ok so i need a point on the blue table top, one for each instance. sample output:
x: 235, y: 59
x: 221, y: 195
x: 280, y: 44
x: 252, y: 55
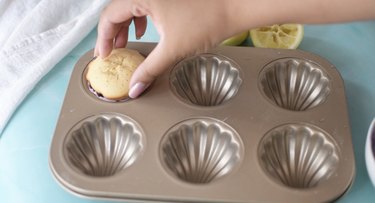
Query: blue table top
x: 24, y: 145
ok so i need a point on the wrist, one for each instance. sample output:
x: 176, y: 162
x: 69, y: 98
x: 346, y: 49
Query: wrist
x: 247, y: 14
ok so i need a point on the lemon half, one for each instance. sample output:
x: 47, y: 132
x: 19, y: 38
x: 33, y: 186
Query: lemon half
x: 285, y: 36
x: 236, y: 39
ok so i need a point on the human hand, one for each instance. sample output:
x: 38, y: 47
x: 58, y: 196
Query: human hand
x: 185, y: 28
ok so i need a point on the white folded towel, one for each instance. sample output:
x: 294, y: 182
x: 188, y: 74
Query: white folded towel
x: 35, y: 35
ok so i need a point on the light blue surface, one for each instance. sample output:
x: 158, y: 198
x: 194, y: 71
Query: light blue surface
x: 24, y: 145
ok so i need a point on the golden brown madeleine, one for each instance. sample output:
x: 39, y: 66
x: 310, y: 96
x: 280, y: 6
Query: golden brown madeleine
x: 110, y: 76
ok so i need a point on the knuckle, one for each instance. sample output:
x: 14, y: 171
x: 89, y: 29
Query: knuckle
x: 138, y: 8
x: 148, y: 72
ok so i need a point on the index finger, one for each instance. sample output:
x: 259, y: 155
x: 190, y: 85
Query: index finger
x: 114, y: 17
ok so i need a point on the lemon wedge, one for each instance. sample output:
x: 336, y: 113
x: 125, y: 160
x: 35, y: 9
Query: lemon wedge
x: 285, y: 36
x: 236, y: 39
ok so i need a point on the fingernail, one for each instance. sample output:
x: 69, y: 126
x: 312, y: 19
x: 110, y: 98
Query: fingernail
x: 138, y: 38
x: 95, y: 53
x: 103, y: 52
x: 137, y: 89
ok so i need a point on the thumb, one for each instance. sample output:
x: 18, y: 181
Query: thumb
x: 154, y: 65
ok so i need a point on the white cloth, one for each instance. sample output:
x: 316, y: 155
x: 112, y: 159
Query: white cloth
x: 34, y: 36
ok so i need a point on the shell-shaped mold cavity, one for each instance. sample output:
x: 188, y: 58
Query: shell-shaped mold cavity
x: 201, y: 150
x: 295, y: 84
x: 206, y: 80
x: 104, y: 145
x: 299, y: 156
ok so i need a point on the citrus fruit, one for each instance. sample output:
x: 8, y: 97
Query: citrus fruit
x: 286, y: 36
x: 236, y: 39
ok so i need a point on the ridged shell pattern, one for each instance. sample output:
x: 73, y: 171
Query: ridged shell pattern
x: 206, y: 80
x: 295, y: 84
x: 299, y: 156
x: 201, y: 151
x: 104, y: 145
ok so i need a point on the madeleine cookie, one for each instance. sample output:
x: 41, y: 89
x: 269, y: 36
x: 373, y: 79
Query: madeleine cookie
x: 111, y: 76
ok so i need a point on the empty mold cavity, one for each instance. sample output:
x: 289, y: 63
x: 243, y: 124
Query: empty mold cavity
x: 299, y: 156
x: 206, y: 80
x: 103, y: 145
x: 294, y: 84
x: 201, y: 150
